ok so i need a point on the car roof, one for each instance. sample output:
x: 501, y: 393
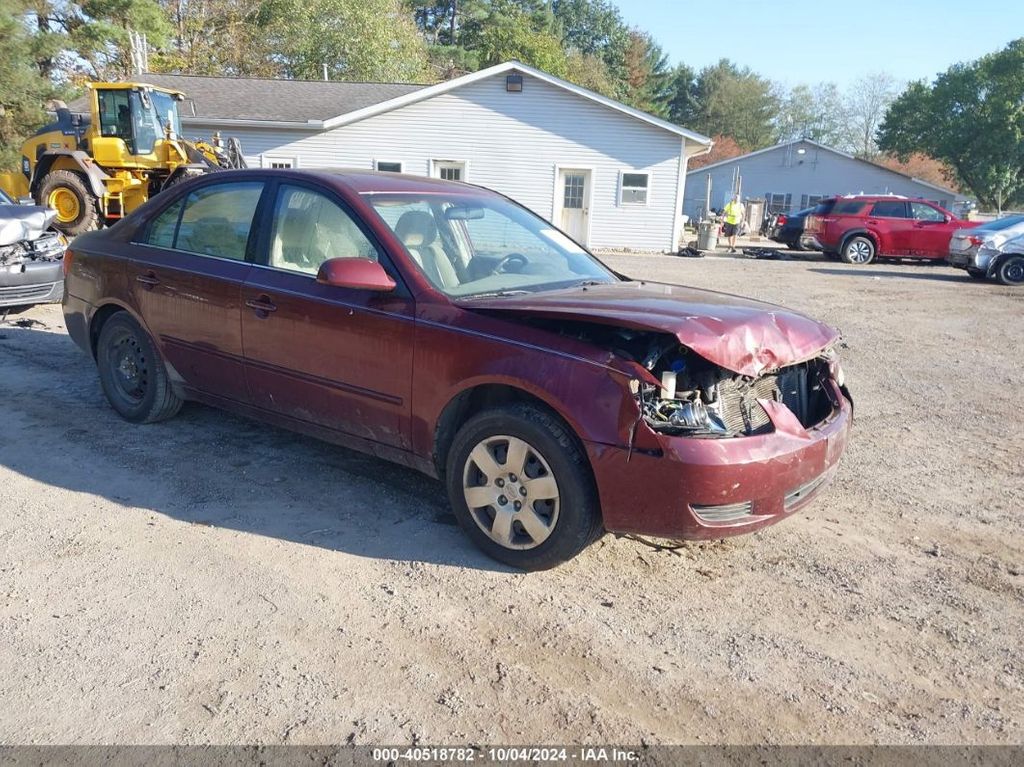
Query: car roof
x: 379, y: 182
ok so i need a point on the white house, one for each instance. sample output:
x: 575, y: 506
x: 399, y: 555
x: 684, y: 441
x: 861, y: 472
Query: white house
x: 610, y: 175
x: 795, y: 175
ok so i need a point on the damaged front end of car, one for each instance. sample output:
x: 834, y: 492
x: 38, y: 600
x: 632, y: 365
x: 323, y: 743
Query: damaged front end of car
x: 696, y: 398
x: 31, y: 255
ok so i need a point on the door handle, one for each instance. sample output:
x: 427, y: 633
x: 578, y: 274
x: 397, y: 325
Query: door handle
x: 149, y: 280
x: 262, y: 306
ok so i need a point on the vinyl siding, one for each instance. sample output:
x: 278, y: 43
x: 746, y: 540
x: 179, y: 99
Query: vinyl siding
x: 816, y: 172
x: 512, y: 143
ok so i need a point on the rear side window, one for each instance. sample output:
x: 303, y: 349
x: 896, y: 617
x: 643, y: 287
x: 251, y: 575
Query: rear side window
x: 823, y: 208
x: 165, y: 226
x: 211, y: 221
x: 847, y: 207
x: 889, y: 209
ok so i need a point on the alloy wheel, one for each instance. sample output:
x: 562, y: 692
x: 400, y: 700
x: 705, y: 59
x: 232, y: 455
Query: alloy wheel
x: 859, y: 252
x: 511, y: 492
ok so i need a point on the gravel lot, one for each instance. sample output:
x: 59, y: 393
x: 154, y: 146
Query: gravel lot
x: 210, y: 579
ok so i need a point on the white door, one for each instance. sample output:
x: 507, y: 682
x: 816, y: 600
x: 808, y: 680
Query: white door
x: 574, y: 187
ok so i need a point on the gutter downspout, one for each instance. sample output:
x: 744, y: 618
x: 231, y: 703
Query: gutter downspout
x: 677, y: 218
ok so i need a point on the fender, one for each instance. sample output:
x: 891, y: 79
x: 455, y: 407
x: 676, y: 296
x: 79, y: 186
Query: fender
x: 861, y: 232
x: 94, y: 174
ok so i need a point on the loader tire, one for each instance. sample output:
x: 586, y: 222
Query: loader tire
x: 68, y: 193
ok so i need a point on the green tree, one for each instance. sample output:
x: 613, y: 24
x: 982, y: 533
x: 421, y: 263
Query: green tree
x: 89, y: 40
x: 218, y: 37
x: 813, y: 112
x: 647, y: 78
x: 736, y: 102
x: 514, y: 35
x: 353, y: 39
x: 683, y: 106
x: 23, y: 88
x: 971, y: 118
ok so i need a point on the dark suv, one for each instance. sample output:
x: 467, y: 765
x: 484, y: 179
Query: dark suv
x: 860, y: 228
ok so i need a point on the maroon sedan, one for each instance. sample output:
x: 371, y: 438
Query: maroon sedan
x: 444, y: 327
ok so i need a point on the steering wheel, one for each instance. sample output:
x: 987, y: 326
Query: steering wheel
x: 511, y: 258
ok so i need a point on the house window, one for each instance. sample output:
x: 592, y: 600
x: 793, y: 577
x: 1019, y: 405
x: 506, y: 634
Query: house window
x: 633, y: 188
x: 449, y: 170
x: 268, y: 161
x: 387, y: 167
x: 778, y: 202
x: 810, y: 200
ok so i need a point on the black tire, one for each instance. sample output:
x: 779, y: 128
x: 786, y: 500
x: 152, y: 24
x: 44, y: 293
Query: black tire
x: 132, y: 373
x: 1011, y: 271
x: 978, y: 274
x: 74, y: 183
x: 858, y: 250
x: 576, y: 520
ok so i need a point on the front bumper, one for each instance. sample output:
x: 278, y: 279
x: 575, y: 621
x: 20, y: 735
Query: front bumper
x: 713, y: 488
x: 32, y: 282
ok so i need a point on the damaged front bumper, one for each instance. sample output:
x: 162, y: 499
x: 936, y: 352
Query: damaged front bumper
x: 690, y: 488
x: 31, y: 272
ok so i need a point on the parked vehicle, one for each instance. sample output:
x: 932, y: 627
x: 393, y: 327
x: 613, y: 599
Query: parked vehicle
x: 95, y: 168
x: 444, y: 327
x: 1000, y: 260
x: 860, y: 228
x: 788, y: 229
x: 966, y: 243
x: 30, y: 256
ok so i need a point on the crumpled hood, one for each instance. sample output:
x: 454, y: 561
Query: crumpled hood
x: 738, y: 334
x: 24, y: 222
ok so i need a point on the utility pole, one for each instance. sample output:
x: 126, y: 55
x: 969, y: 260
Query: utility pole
x: 451, y: 29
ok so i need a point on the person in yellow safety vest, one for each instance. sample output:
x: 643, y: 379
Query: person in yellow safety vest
x: 733, y: 217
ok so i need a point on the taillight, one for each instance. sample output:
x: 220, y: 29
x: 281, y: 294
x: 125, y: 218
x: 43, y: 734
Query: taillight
x: 68, y: 257
x: 781, y: 220
x: 975, y: 241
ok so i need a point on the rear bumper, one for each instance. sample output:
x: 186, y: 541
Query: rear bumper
x: 967, y: 259
x: 701, y: 488
x: 33, y: 282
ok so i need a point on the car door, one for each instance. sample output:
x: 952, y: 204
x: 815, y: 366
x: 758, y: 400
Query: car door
x: 186, y: 277
x: 933, y: 230
x: 336, y: 357
x: 888, y: 219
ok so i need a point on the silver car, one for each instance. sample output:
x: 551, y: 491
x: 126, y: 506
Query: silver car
x: 973, y: 249
x: 31, y: 255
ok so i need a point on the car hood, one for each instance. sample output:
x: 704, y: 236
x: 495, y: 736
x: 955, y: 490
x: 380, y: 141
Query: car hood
x: 24, y: 222
x: 745, y: 336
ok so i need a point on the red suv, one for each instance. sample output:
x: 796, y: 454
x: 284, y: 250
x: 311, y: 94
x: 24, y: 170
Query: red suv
x: 859, y: 228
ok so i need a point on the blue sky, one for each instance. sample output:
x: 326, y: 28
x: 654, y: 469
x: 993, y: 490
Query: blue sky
x: 837, y: 40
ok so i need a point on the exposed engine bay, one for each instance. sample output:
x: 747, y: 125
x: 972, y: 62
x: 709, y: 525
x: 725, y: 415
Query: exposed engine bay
x: 47, y: 247
x: 697, y: 398
x: 25, y: 235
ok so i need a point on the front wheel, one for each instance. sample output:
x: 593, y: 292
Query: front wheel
x: 132, y: 374
x: 859, y: 251
x: 520, y: 486
x: 68, y: 193
x: 1011, y: 271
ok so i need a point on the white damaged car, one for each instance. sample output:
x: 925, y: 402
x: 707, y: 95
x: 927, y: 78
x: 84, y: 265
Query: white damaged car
x: 31, y: 256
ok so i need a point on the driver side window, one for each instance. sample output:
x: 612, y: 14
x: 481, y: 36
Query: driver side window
x: 922, y: 212
x: 309, y: 228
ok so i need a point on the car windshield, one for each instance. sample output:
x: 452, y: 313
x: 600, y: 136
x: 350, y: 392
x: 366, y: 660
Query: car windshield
x: 1001, y: 223
x: 472, y: 245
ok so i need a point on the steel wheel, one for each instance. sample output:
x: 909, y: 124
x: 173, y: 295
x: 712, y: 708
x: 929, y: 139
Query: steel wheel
x: 129, y: 367
x: 65, y: 202
x: 511, y: 492
x: 859, y: 251
x: 1011, y: 271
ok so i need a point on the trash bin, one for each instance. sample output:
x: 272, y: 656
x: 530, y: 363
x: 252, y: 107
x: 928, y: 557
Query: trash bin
x: 707, y: 235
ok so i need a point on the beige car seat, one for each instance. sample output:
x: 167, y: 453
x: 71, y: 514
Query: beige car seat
x: 418, y: 232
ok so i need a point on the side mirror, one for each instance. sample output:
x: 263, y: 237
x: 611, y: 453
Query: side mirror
x: 355, y: 273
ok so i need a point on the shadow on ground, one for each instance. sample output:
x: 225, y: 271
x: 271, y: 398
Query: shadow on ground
x: 209, y: 467
x: 926, y: 273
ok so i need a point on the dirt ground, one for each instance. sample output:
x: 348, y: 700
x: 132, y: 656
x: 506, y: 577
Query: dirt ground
x: 211, y: 579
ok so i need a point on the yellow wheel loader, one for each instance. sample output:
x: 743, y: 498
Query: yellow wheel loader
x: 93, y: 169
